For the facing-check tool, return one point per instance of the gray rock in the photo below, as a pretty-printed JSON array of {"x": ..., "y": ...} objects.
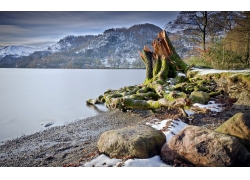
[
  {"x": 243, "y": 101},
  {"x": 199, "y": 97},
  {"x": 239, "y": 127},
  {"x": 204, "y": 147},
  {"x": 138, "y": 141}
]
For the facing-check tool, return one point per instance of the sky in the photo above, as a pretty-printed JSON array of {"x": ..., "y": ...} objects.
[
  {"x": 42, "y": 28},
  {"x": 42, "y": 24}
]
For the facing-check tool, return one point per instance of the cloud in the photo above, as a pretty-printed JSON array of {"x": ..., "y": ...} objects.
[
  {"x": 22, "y": 26},
  {"x": 12, "y": 29}
]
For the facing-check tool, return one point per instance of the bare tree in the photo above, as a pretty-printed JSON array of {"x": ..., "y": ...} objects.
[{"x": 194, "y": 24}]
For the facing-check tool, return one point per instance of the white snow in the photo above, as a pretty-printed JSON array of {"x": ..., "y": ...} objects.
[
  {"x": 55, "y": 48},
  {"x": 211, "y": 71},
  {"x": 174, "y": 127},
  {"x": 150, "y": 162},
  {"x": 158, "y": 124},
  {"x": 216, "y": 107},
  {"x": 189, "y": 112},
  {"x": 181, "y": 74},
  {"x": 103, "y": 161},
  {"x": 18, "y": 51}
]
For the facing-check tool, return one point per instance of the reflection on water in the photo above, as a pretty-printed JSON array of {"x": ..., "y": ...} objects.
[
  {"x": 97, "y": 108},
  {"x": 29, "y": 97}
]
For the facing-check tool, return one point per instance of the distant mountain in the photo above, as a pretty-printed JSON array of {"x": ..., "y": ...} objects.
[
  {"x": 18, "y": 51},
  {"x": 114, "y": 48},
  {"x": 70, "y": 42}
]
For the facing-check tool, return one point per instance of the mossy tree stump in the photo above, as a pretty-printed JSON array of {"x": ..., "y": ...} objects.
[{"x": 161, "y": 63}]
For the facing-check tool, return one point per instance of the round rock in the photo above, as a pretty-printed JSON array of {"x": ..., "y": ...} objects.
[{"x": 138, "y": 141}]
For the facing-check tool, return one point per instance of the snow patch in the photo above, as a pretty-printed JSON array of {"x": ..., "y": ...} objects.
[
  {"x": 158, "y": 124},
  {"x": 181, "y": 74},
  {"x": 213, "y": 71},
  {"x": 103, "y": 161},
  {"x": 216, "y": 107},
  {"x": 19, "y": 51},
  {"x": 150, "y": 162}
]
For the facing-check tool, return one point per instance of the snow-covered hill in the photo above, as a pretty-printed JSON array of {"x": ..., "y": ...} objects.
[
  {"x": 115, "y": 48},
  {"x": 18, "y": 51},
  {"x": 69, "y": 42},
  {"x": 120, "y": 43}
]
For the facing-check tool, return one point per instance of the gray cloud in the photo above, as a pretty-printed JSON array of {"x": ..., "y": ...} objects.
[{"x": 36, "y": 27}]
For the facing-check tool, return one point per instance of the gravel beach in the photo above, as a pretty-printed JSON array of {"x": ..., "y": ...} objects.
[
  {"x": 68, "y": 145},
  {"x": 75, "y": 143}
]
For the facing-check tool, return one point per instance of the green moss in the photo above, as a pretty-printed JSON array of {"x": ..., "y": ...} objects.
[
  {"x": 199, "y": 97},
  {"x": 160, "y": 82},
  {"x": 142, "y": 90},
  {"x": 154, "y": 104},
  {"x": 212, "y": 94},
  {"x": 157, "y": 67},
  {"x": 147, "y": 81},
  {"x": 191, "y": 74}
]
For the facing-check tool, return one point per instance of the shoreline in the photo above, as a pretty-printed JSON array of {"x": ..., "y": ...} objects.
[
  {"x": 75, "y": 143},
  {"x": 60, "y": 146}
]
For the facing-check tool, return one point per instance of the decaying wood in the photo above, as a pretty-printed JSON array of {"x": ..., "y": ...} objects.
[{"x": 161, "y": 64}]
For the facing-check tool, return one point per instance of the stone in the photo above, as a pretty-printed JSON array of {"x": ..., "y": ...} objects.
[
  {"x": 203, "y": 147},
  {"x": 243, "y": 101},
  {"x": 239, "y": 127},
  {"x": 199, "y": 97},
  {"x": 139, "y": 141}
]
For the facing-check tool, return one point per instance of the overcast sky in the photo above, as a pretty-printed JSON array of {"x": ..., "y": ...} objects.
[
  {"x": 42, "y": 23},
  {"x": 42, "y": 28}
]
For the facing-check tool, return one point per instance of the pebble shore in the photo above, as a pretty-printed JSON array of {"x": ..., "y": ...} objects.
[{"x": 72, "y": 143}]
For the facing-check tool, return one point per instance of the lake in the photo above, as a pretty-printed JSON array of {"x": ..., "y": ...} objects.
[{"x": 32, "y": 97}]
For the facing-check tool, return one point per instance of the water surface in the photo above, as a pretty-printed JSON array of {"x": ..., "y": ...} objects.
[{"x": 30, "y": 97}]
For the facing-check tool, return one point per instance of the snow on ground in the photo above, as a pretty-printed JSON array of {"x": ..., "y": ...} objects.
[
  {"x": 211, "y": 71},
  {"x": 103, "y": 161},
  {"x": 215, "y": 107},
  {"x": 150, "y": 162},
  {"x": 181, "y": 74},
  {"x": 173, "y": 128}
]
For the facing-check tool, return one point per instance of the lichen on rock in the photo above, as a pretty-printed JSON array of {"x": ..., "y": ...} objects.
[{"x": 138, "y": 141}]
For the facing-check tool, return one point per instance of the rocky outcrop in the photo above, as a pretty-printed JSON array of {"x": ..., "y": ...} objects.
[
  {"x": 243, "y": 101},
  {"x": 199, "y": 97},
  {"x": 138, "y": 141},
  {"x": 239, "y": 127},
  {"x": 204, "y": 147}
]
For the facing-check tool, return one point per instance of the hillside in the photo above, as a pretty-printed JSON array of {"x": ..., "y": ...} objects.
[{"x": 114, "y": 48}]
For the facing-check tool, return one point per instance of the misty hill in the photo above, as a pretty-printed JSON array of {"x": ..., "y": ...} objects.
[
  {"x": 115, "y": 48},
  {"x": 18, "y": 51}
]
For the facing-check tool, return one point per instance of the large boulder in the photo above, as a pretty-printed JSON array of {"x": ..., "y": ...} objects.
[
  {"x": 134, "y": 141},
  {"x": 239, "y": 127},
  {"x": 243, "y": 101},
  {"x": 204, "y": 147},
  {"x": 199, "y": 97}
]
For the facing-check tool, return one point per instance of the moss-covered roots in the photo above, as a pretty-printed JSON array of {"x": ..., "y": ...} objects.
[{"x": 156, "y": 92}]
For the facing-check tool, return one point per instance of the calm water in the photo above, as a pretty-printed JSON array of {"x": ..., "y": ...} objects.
[{"x": 30, "y": 97}]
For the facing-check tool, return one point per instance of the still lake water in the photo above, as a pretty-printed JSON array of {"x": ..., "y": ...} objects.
[{"x": 30, "y": 97}]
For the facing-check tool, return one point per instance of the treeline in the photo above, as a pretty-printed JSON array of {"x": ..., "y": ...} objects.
[{"x": 219, "y": 39}]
